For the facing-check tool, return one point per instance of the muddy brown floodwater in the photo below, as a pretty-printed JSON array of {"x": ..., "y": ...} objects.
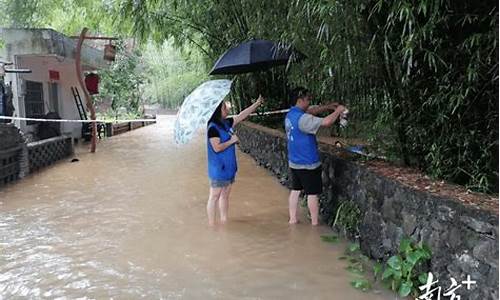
[{"x": 129, "y": 222}]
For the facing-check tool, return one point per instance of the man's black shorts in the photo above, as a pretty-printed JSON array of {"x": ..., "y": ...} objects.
[{"x": 307, "y": 180}]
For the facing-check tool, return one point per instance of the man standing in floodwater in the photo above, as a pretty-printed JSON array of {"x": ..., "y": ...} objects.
[{"x": 301, "y": 126}]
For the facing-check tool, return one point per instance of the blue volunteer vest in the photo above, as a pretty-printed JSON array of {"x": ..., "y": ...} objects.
[
  {"x": 302, "y": 147},
  {"x": 221, "y": 165}
]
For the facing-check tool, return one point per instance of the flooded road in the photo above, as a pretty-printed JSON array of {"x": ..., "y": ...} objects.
[{"x": 129, "y": 222}]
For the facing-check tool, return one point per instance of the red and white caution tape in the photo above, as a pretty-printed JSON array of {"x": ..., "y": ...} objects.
[
  {"x": 75, "y": 121},
  {"x": 116, "y": 121}
]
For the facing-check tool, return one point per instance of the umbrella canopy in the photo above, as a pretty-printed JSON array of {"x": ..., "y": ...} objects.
[
  {"x": 198, "y": 107},
  {"x": 254, "y": 55}
]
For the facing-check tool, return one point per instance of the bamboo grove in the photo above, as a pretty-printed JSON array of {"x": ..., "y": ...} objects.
[{"x": 420, "y": 76}]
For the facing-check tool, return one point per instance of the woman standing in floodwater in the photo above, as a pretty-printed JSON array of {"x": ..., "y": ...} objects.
[{"x": 222, "y": 164}]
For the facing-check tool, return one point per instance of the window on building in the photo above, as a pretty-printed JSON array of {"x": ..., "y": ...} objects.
[{"x": 33, "y": 102}]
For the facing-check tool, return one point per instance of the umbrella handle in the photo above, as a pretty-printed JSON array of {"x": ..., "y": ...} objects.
[{"x": 231, "y": 133}]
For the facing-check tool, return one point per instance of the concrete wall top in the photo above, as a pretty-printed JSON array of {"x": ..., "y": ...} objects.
[{"x": 46, "y": 42}]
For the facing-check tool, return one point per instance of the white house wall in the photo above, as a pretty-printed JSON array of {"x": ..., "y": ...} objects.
[
  {"x": 67, "y": 78},
  {"x": 37, "y": 49}
]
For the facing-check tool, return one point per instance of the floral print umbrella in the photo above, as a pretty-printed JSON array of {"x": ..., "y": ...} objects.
[{"x": 198, "y": 107}]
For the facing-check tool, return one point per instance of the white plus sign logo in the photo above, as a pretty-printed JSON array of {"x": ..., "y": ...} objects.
[{"x": 468, "y": 282}]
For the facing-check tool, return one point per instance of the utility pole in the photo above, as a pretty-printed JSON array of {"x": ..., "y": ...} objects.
[{"x": 88, "y": 98}]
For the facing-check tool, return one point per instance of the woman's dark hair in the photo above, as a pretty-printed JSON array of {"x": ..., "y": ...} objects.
[
  {"x": 217, "y": 115},
  {"x": 298, "y": 92}
]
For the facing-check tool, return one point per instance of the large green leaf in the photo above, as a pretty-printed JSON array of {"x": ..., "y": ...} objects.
[
  {"x": 422, "y": 278},
  {"x": 405, "y": 289},
  {"x": 414, "y": 257},
  {"x": 397, "y": 274},
  {"x": 388, "y": 272},
  {"x": 395, "y": 262},
  {"x": 405, "y": 246}
]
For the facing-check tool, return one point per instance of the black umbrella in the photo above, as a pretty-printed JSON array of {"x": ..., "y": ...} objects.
[{"x": 254, "y": 55}]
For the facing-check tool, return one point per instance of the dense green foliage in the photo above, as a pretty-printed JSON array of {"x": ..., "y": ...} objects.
[
  {"x": 406, "y": 271},
  {"x": 121, "y": 84},
  {"x": 67, "y": 16},
  {"x": 347, "y": 218},
  {"x": 420, "y": 77},
  {"x": 403, "y": 272},
  {"x": 152, "y": 73},
  {"x": 171, "y": 74}
]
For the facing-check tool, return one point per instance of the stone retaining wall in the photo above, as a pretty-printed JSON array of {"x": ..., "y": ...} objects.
[{"x": 463, "y": 238}]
